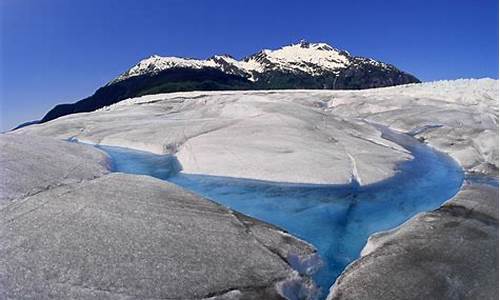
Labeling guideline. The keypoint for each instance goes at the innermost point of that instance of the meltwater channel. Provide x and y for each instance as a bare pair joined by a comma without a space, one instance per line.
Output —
336,219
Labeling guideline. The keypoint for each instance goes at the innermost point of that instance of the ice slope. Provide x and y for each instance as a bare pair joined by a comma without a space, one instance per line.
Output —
298,136
258,135
54,163
458,117
71,230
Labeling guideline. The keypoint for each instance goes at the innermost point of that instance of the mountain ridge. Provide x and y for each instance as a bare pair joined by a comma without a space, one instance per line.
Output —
311,58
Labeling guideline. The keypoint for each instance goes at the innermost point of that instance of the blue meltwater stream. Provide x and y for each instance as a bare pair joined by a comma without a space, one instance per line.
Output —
336,219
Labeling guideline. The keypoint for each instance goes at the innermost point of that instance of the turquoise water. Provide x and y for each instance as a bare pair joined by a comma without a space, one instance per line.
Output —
336,219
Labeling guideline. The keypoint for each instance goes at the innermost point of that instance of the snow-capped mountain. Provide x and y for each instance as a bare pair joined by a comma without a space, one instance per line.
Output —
314,59
298,66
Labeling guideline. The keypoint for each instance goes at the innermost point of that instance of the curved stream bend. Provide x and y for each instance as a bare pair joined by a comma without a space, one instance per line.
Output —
336,219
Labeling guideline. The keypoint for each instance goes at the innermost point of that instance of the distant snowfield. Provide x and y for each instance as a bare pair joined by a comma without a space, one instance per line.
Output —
298,136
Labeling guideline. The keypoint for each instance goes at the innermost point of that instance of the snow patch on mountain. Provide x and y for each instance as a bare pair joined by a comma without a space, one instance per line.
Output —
156,64
311,58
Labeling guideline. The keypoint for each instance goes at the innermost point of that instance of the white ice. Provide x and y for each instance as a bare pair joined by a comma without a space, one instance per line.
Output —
298,136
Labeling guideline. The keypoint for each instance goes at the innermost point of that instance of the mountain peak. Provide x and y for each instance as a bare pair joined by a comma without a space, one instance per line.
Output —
222,56
304,44
314,46
306,57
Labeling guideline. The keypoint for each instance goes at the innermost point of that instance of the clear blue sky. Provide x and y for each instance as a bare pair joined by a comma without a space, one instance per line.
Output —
55,51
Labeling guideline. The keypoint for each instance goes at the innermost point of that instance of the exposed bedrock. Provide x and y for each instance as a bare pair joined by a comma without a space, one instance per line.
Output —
80,232
449,253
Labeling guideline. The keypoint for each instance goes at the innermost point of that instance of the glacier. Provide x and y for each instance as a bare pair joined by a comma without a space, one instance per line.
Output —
262,141
266,135
336,219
